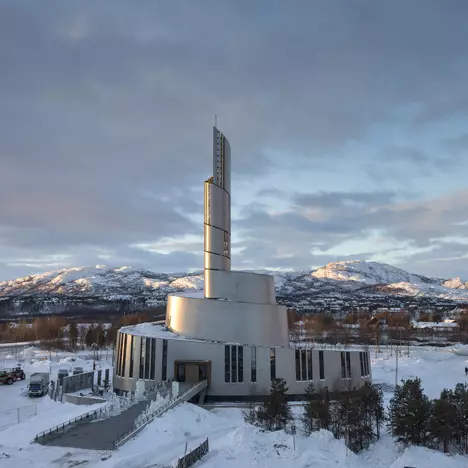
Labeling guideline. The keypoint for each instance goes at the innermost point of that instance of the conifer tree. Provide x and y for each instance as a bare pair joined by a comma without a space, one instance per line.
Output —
410,413
443,425
275,413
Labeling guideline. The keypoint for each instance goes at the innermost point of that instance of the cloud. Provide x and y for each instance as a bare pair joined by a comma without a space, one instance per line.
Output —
105,135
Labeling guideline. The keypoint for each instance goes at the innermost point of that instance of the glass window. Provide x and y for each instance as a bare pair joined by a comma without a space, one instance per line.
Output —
117,355
234,364
343,365
361,359
164,361
153,358
147,358
321,366
253,364
227,363
298,364
310,375
348,365
240,368
180,372
272,363
142,358
304,364
124,352
130,371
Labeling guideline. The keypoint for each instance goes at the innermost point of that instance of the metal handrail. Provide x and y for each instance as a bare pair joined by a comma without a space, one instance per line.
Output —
189,393
60,427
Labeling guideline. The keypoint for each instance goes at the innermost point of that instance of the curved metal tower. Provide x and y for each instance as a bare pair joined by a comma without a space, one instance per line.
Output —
217,250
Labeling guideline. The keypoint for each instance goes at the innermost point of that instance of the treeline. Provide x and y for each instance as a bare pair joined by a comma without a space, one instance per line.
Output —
355,416
440,424
62,333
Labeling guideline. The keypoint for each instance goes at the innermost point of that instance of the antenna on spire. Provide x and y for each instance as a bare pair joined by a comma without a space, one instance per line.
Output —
216,121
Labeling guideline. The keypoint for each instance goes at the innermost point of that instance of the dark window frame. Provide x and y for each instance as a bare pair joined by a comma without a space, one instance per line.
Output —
253,364
164,361
130,370
322,365
272,363
310,367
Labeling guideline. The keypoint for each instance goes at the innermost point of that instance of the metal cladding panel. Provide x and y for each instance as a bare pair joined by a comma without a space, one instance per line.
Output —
220,208
240,286
221,160
216,262
214,240
226,321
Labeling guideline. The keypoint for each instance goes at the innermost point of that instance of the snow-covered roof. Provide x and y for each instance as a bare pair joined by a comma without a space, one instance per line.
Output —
439,325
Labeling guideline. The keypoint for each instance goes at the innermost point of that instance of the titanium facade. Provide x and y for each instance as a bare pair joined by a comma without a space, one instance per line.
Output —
233,334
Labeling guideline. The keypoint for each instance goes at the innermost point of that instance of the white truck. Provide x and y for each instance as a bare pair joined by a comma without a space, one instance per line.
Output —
38,384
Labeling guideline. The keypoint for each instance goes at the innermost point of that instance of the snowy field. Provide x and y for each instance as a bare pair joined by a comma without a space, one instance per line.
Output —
16,405
232,442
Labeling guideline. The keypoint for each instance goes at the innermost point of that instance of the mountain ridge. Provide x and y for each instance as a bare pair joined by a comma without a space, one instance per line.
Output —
345,283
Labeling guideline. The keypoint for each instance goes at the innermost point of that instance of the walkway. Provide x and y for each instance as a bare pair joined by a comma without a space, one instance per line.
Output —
101,434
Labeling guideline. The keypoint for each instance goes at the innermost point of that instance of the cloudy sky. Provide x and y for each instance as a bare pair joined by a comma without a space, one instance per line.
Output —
348,122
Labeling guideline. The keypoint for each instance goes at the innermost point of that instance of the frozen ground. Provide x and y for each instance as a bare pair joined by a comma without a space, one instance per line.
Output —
14,402
236,444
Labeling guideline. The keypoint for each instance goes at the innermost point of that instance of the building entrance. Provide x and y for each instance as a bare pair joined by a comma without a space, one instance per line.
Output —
192,371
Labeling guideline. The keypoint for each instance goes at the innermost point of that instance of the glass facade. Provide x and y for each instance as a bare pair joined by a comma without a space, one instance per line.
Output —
164,361
272,363
304,370
253,364
233,364
321,366
364,360
345,365
130,370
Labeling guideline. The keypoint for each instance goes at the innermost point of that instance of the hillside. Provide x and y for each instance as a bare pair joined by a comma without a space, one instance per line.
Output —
336,285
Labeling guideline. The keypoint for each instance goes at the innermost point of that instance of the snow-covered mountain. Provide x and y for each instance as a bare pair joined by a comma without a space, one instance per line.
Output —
338,284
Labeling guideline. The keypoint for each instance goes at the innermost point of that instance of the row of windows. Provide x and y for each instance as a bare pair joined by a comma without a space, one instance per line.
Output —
233,361
304,365
365,368
147,353
345,365
233,364
124,342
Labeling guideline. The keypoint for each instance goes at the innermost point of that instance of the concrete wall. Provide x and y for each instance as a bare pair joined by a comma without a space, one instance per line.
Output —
79,400
215,352
231,322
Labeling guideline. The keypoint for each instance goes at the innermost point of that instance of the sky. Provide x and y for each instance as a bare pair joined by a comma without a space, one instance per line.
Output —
347,119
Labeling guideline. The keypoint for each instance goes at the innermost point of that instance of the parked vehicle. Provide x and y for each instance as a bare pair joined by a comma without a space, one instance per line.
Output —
17,373
77,370
6,378
39,384
61,374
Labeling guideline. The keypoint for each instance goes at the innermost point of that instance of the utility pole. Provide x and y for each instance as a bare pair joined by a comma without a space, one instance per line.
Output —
396,369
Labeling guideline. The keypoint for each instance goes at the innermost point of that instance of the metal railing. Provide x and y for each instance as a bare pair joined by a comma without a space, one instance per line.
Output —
87,417
187,395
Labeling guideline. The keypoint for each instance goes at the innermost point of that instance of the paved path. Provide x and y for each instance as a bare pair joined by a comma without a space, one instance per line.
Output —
99,435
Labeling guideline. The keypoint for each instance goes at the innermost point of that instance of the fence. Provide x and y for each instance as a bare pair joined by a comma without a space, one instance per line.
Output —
195,455
187,395
82,381
87,417
16,415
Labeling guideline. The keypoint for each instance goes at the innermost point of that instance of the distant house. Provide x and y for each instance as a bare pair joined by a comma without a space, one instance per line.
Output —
446,325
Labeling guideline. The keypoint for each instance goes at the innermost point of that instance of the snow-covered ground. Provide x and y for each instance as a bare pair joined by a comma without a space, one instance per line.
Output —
236,444
16,405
